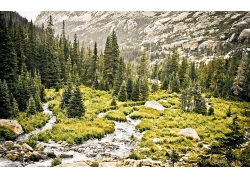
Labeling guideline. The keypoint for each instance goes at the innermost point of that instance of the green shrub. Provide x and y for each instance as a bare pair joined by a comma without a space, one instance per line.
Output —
56,161
6,134
134,156
116,116
32,141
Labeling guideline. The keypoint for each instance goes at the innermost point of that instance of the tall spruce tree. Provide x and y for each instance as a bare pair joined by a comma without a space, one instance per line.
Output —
240,79
5,108
31,110
8,60
76,107
129,87
122,95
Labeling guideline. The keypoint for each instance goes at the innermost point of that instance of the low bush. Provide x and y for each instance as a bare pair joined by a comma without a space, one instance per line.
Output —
6,134
116,116
56,161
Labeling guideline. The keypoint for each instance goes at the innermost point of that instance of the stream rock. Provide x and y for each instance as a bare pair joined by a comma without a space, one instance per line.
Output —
27,147
66,156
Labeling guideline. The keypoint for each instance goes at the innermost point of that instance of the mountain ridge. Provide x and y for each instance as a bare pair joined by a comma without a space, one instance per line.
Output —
189,31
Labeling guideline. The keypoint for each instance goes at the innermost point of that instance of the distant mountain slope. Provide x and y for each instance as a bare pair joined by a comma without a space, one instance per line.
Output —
189,31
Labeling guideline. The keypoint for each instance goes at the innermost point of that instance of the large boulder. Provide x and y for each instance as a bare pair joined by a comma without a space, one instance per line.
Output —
189,132
154,104
12,125
245,34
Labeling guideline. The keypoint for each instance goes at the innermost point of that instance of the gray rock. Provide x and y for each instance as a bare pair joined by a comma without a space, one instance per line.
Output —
154,104
189,132
66,156
245,34
156,140
51,154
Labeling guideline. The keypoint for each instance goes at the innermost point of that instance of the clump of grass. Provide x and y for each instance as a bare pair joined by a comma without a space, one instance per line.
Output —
32,122
134,156
146,112
56,161
6,134
116,116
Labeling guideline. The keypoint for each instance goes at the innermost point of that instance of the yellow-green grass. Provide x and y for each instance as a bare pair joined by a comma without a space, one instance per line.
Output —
209,128
146,112
29,123
76,131
116,115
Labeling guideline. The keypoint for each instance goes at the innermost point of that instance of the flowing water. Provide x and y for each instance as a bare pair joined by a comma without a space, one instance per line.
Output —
116,145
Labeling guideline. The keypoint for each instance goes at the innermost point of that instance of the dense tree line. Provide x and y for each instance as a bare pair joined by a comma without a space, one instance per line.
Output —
34,58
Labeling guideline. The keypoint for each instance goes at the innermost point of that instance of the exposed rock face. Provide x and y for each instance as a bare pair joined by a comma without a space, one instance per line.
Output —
184,30
12,125
245,34
189,132
154,104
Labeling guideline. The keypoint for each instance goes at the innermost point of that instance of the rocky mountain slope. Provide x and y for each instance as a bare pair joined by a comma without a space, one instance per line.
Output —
189,31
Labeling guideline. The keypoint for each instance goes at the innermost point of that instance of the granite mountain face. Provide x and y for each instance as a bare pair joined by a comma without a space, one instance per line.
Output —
192,32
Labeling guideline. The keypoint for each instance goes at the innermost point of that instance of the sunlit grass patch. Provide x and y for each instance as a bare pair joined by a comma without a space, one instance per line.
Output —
78,131
32,122
116,115
146,112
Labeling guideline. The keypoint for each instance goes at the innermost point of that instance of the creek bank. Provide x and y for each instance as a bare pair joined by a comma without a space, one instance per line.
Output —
110,162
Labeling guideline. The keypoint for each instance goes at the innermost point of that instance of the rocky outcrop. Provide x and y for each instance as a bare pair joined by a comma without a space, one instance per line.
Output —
12,125
16,152
245,34
189,132
154,104
185,30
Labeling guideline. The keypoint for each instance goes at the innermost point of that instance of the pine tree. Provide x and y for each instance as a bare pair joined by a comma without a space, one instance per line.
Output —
144,90
14,105
66,96
136,91
155,71
239,81
129,87
165,84
211,111
31,110
8,63
229,113
193,73
183,70
113,102
5,108
173,156
154,87
95,84
199,101
119,77
76,107
122,95
143,68
228,144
